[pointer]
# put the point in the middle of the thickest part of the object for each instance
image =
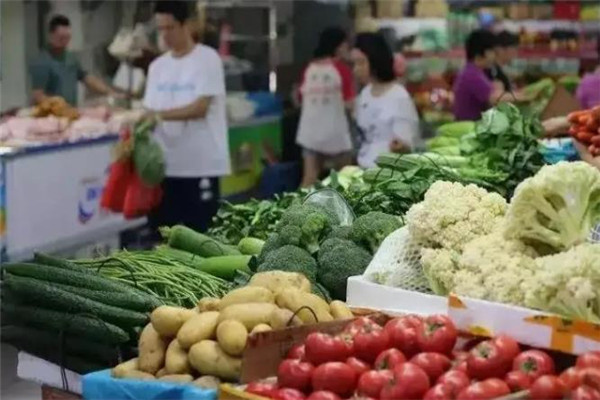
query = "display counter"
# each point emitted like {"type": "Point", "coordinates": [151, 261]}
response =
{"type": "Point", "coordinates": [50, 194]}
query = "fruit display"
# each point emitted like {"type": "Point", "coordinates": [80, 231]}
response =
{"type": "Point", "coordinates": [412, 357]}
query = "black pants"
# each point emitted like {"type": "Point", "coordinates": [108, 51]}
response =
{"type": "Point", "coordinates": [192, 202]}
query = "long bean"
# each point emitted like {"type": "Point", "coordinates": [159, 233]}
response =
{"type": "Point", "coordinates": [160, 275]}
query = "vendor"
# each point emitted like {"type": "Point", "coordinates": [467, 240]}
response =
{"type": "Point", "coordinates": [185, 94]}
{"type": "Point", "coordinates": [474, 92]}
{"type": "Point", "coordinates": [327, 91]}
{"type": "Point", "coordinates": [56, 71]}
{"type": "Point", "coordinates": [588, 91]}
{"type": "Point", "coordinates": [385, 113]}
{"type": "Point", "coordinates": [505, 51]}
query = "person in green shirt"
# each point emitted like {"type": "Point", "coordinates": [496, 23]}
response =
{"type": "Point", "coordinates": [56, 71]}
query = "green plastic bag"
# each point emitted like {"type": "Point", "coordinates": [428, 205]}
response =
{"type": "Point", "coordinates": [148, 158]}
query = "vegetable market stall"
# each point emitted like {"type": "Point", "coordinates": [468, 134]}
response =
{"type": "Point", "coordinates": [50, 197]}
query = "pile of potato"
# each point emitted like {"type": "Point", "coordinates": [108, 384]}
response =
{"type": "Point", "coordinates": [180, 344]}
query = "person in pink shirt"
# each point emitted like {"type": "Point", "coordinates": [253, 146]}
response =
{"type": "Point", "coordinates": [588, 91]}
{"type": "Point", "coordinates": [327, 91]}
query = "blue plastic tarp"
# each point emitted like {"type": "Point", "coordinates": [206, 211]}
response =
{"type": "Point", "coordinates": [101, 386]}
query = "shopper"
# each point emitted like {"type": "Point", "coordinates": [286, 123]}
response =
{"type": "Point", "coordinates": [327, 91]}
{"type": "Point", "coordinates": [588, 91]}
{"type": "Point", "coordinates": [385, 113]}
{"type": "Point", "coordinates": [185, 93]}
{"type": "Point", "coordinates": [56, 71]}
{"type": "Point", "coordinates": [505, 51]}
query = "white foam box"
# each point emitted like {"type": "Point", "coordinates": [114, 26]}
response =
{"type": "Point", "coordinates": [362, 293]}
{"type": "Point", "coordinates": [531, 327]}
{"type": "Point", "coordinates": [32, 368]}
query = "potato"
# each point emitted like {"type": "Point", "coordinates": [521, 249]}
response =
{"type": "Point", "coordinates": [249, 314]}
{"type": "Point", "coordinates": [339, 310]}
{"type": "Point", "coordinates": [261, 328]}
{"type": "Point", "coordinates": [167, 319]}
{"type": "Point", "coordinates": [247, 294]}
{"type": "Point", "coordinates": [281, 318]}
{"type": "Point", "coordinates": [161, 372]}
{"type": "Point", "coordinates": [208, 304]}
{"type": "Point", "coordinates": [176, 360]}
{"type": "Point", "coordinates": [232, 336]}
{"type": "Point", "coordinates": [207, 382]}
{"type": "Point", "coordinates": [140, 375]}
{"type": "Point", "coordinates": [294, 299]}
{"type": "Point", "coordinates": [119, 370]}
{"type": "Point", "coordinates": [177, 378]}
{"type": "Point", "coordinates": [200, 327]}
{"type": "Point", "coordinates": [151, 350]}
{"type": "Point", "coordinates": [208, 358]}
{"type": "Point", "coordinates": [278, 280]}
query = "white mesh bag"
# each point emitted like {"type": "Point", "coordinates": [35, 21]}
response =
{"type": "Point", "coordinates": [397, 263]}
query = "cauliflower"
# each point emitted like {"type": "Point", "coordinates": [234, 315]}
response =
{"type": "Point", "coordinates": [440, 267]}
{"type": "Point", "coordinates": [567, 283]}
{"type": "Point", "coordinates": [556, 208]}
{"type": "Point", "coordinates": [452, 214]}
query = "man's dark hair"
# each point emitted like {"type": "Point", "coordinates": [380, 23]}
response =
{"type": "Point", "coordinates": [329, 40]}
{"type": "Point", "coordinates": [507, 39]}
{"type": "Point", "coordinates": [478, 43]}
{"type": "Point", "coordinates": [58, 20]}
{"type": "Point", "coordinates": [379, 54]}
{"type": "Point", "coordinates": [177, 8]}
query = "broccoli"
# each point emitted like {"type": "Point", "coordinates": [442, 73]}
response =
{"type": "Point", "coordinates": [340, 232]}
{"type": "Point", "coordinates": [291, 259]}
{"type": "Point", "coordinates": [370, 229]}
{"type": "Point", "coordinates": [314, 222]}
{"type": "Point", "coordinates": [288, 235]}
{"type": "Point", "coordinates": [340, 259]}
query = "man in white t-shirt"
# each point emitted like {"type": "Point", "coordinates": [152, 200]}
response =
{"type": "Point", "coordinates": [185, 93]}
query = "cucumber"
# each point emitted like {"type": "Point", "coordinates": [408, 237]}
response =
{"type": "Point", "coordinates": [51, 340]}
{"type": "Point", "coordinates": [184, 238]}
{"type": "Point", "coordinates": [44, 294]}
{"type": "Point", "coordinates": [129, 301]}
{"type": "Point", "coordinates": [225, 266]}
{"type": "Point", "coordinates": [67, 277]}
{"type": "Point", "coordinates": [81, 325]}
{"type": "Point", "coordinates": [45, 259]}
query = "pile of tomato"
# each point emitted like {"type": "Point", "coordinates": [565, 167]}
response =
{"type": "Point", "coordinates": [585, 128]}
{"type": "Point", "coordinates": [416, 358]}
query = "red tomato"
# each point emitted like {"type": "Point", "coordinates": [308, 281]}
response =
{"type": "Point", "coordinates": [589, 359]}
{"type": "Point", "coordinates": [359, 324]}
{"type": "Point", "coordinates": [585, 393]}
{"type": "Point", "coordinates": [486, 361]}
{"type": "Point", "coordinates": [389, 358]}
{"type": "Point", "coordinates": [321, 347]}
{"type": "Point", "coordinates": [457, 379]}
{"type": "Point", "coordinates": [323, 395]}
{"type": "Point", "coordinates": [262, 389]}
{"type": "Point", "coordinates": [460, 366]}
{"type": "Point", "coordinates": [469, 344]}
{"type": "Point", "coordinates": [409, 382]}
{"type": "Point", "coordinates": [509, 347]}
{"type": "Point", "coordinates": [403, 334]}
{"type": "Point", "coordinates": [359, 366]}
{"type": "Point", "coordinates": [371, 382]}
{"type": "Point", "coordinates": [295, 374]}
{"type": "Point", "coordinates": [296, 352]}
{"type": "Point", "coordinates": [534, 363]}
{"type": "Point", "coordinates": [440, 392]}
{"type": "Point", "coordinates": [369, 342]}
{"type": "Point", "coordinates": [288, 394]}
{"type": "Point", "coordinates": [572, 377]}
{"type": "Point", "coordinates": [434, 364]}
{"type": "Point", "coordinates": [591, 377]}
{"type": "Point", "coordinates": [437, 334]}
{"type": "Point", "coordinates": [458, 355]}
{"type": "Point", "coordinates": [547, 387]}
{"type": "Point", "coordinates": [484, 390]}
{"type": "Point", "coordinates": [335, 377]}
{"type": "Point", "coordinates": [517, 381]}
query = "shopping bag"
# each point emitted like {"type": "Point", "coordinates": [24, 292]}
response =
{"type": "Point", "coordinates": [140, 198]}
{"type": "Point", "coordinates": [113, 196]}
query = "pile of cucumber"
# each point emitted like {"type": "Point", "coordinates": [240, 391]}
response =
{"type": "Point", "coordinates": [69, 315]}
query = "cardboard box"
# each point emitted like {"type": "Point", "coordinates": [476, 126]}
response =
{"type": "Point", "coordinates": [560, 104]}
{"type": "Point", "coordinates": [362, 293]}
{"type": "Point", "coordinates": [530, 327]}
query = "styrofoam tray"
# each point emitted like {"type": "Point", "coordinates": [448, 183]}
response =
{"type": "Point", "coordinates": [32, 368]}
{"type": "Point", "coordinates": [366, 294]}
